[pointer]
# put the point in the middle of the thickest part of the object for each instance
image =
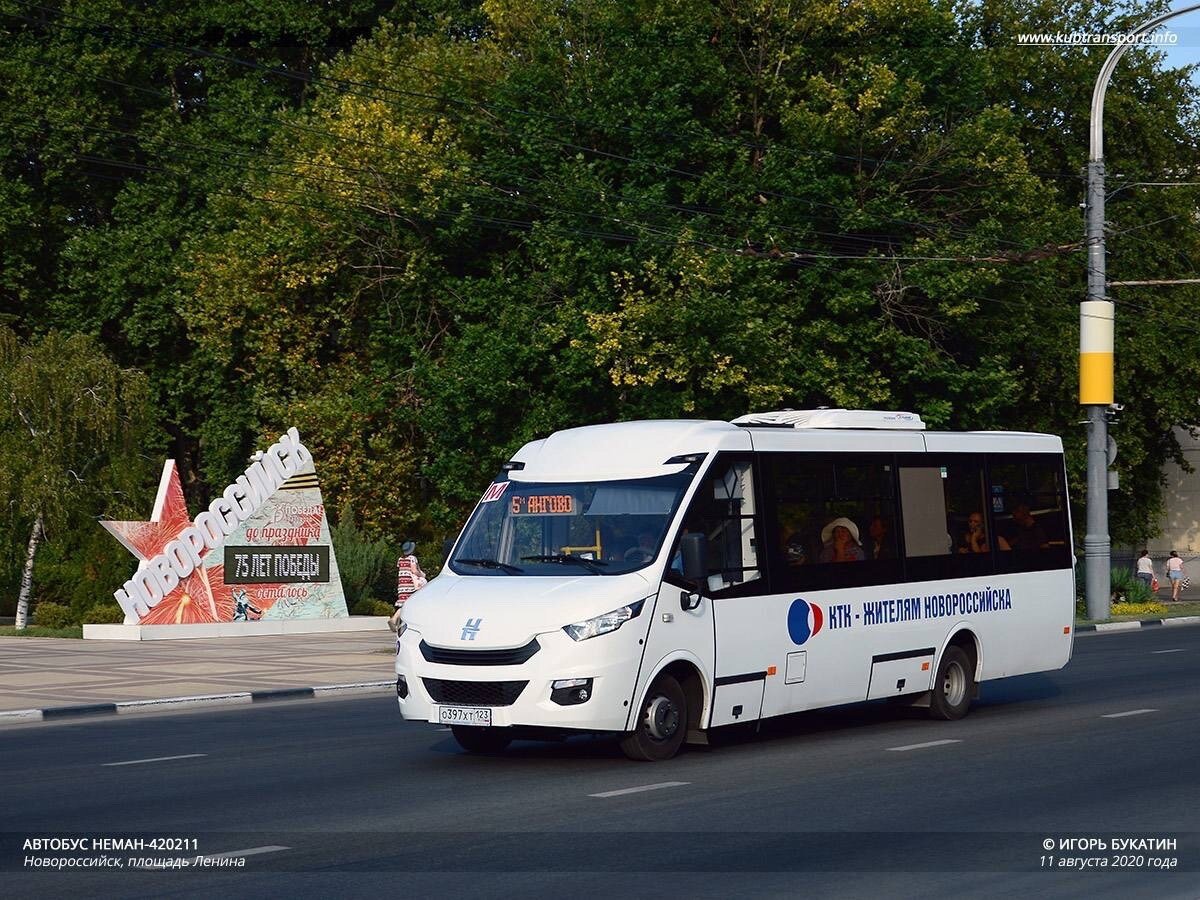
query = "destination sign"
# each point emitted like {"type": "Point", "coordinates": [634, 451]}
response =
{"type": "Point", "coordinates": [542, 505]}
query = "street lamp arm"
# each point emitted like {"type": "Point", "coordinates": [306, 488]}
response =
{"type": "Point", "coordinates": [1097, 122]}
{"type": "Point", "coordinates": [1096, 321]}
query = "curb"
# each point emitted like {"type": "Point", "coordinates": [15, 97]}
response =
{"type": "Point", "coordinates": [1134, 626]}
{"type": "Point", "coordinates": [125, 707]}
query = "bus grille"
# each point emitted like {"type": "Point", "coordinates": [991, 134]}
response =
{"type": "Point", "coordinates": [452, 657]}
{"type": "Point", "coordinates": [474, 693]}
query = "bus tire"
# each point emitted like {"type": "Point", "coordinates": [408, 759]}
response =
{"type": "Point", "coordinates": [661, 725]}
{"type": "Point", "coordinates": [953, 687]}
{"type": "Point", "coordinates": [481, 740]}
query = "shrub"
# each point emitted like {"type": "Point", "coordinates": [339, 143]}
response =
{"type": "Point", "coordinates": [53, 615]}
{"type": "Point", "coordinates": [1139, 609]}
{"type": "Point", "coordinates": [104, 614]}
{"type": "Point", "coordinates": [371, 607]}
{"type": "Point", "coordinates": [367, 567]}
{"type": "Point", "coordinates": [1128, 588]}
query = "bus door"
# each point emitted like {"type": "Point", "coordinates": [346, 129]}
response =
{"type": "Point", "coordinates": [726, 509]}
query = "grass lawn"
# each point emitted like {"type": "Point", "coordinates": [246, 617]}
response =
{"type": "Point", "coordinates": [1182, 608]}
{"type": "Point", "coordinates": [73, 631]}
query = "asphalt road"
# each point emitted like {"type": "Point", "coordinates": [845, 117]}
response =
{"type": "Point", "coordinates": [341, 798]}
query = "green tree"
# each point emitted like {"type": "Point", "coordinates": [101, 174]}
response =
{"type": "Point", "coordinates": [73, 431]}
{"type": "Point", "coordinates": [470, 224]}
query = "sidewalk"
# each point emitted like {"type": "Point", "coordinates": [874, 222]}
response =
{"type": "Point", "coordinates": [42, 673]}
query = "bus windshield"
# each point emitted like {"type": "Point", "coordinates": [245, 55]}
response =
{"type": "Point", "coordinates": [569, 528]}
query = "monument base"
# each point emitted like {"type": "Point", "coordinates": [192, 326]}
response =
{"type": "Point", "coordinates": [233, 629]}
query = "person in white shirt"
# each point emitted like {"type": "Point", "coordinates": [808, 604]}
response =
{"type": "Point", "coordinates": [1175, 573]}
{"type": "Point", "coordinates": [1145, 568]}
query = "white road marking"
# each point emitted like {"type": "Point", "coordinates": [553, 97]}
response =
{"type": "Point", "coordinates": [924, 745]}
{"type": "Point", "coordinates": [253, 851]}
{"type": "Point", "coordinates": [232, 854]}
{"type": "Point", "coordinates": [1176, 650]}
{"type": "Point", "coordinates": [138, 762]}
{"type": "Point", "coordinates": [1131, 712]}
{"type": "Point", "coordinates": [638, 790]}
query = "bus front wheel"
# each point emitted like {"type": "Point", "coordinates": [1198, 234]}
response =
{"type": "Point", "coordinates": [953, 687]}
{"type": "Point", "coordinates": [481, 740]}
{"type": "Point", "coordinates": [661, 723]}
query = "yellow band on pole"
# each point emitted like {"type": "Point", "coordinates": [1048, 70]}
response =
{"type": "Point", "coordinates": [1095, 378]}
{"type": "Point", "coordinates": [1096, 352]}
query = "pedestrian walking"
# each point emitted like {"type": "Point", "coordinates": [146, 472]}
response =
{"type": "Point", "coordinates": [1175, 574]}
{"type": "Point", "coordinates": [1145, 570]}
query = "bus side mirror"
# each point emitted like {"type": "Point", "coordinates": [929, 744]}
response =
{"type": "Point", "coordinates": [693, 547]}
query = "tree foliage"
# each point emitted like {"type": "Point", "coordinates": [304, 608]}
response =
{"type": "Point", "coordinates": [74, 431]}
{"type": "Point", "coordinates": [425, 233]}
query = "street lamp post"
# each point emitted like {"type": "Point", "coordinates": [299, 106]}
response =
{"type": "Point", "coordinates": [1096, 343]}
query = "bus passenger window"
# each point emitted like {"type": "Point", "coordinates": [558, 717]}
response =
{"type": "Point", "coordinates": [1029, 508]}
{"type": "Point", "coordinates": [724, 510]}
{"type": "Point", "coordinates": [830, 510]}
{"type": "Point", "coordinates": [946, 531]}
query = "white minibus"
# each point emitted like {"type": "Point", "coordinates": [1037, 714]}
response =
{"type": "Point", "coordinates": [655, 580]}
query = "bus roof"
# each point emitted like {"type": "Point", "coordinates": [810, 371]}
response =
{"type": "Point", "coordinates": [833, 418]}
{"type": "Point", "coordinates": [641, 449]}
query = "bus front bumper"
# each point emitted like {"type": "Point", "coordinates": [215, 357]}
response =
{"type": "Point", "coordinates": [521, 695]}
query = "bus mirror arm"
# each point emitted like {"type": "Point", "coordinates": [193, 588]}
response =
{"type": "Point", "coordinates": [693, 548]}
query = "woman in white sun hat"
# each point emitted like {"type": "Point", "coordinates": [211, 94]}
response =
{"type": "Point", "coordinates": [839, 542]}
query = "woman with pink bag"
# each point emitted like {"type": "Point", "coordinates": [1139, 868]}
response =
{"type": "Point", "coordinates": [1175, 573]}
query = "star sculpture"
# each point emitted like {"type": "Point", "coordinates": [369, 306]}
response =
{"type": "Point", "coordinates": [201, 597]}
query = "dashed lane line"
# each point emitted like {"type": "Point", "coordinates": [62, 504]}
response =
{"type": "Point", "coordinates": [232, 854]}
{"type": "Point", "coordinates": [1128, 712]}
{"type": "Point", "coordinates": [154, 759]}
{"type": "Point", "coordinates": [923, 746]}
{"type": "Point", "coordinates": [640, 788]}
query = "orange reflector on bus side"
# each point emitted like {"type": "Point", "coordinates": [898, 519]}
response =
{"type": "Point", "coordinates": [924, 667]}
{"type": "Point", "coordinates": [770, 670]}
{"type": "Point", "coordinates": [1066, 629]}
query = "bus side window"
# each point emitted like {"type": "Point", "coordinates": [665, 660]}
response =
{"type": "Point", "coordinates": [815, 495]}
{"type": "Point", "coordinates": [724, 510]}
{"type": "Point", "coordinates": [946, 531]}
{"type": "Point", "coordinates": [1029, 507]}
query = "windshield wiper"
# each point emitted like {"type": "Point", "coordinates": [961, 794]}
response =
{"type": "Point", "coordinates": [492, 564]}
{"type": "Point", "coordinates": [593, 564]}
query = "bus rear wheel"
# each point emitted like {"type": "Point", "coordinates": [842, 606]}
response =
{"type": "Point", "coordinates": [661, 724]}
{"type": "Point", "coordinates": [953, 686]}
{"type": "Point", "coordinates": [481, 740]}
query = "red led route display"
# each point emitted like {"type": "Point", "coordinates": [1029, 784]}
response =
{"type": "Point", "coordinates": [542, 505]}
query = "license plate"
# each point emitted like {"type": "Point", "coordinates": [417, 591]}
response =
{"type": "Point", "coordinates": [465, 715]}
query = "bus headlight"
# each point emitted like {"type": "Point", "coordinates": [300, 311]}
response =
{"type": "Point", "coordinates": [610, 621]}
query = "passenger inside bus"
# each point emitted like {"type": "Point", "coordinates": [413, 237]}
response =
{"type": "Point", "coordinates": [881, 543]}
{"type": "Point", "coordinates": [1027, 533]}
{"type": "Point", "coordinates": [974, 539]}
{"type": "Point", "coordinates": [839, 540]}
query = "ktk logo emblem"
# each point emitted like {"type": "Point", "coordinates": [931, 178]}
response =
{"type": "Point", "coordinates": [804, 620]}
{"type": "Point", "coordinates": [471, 629]}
